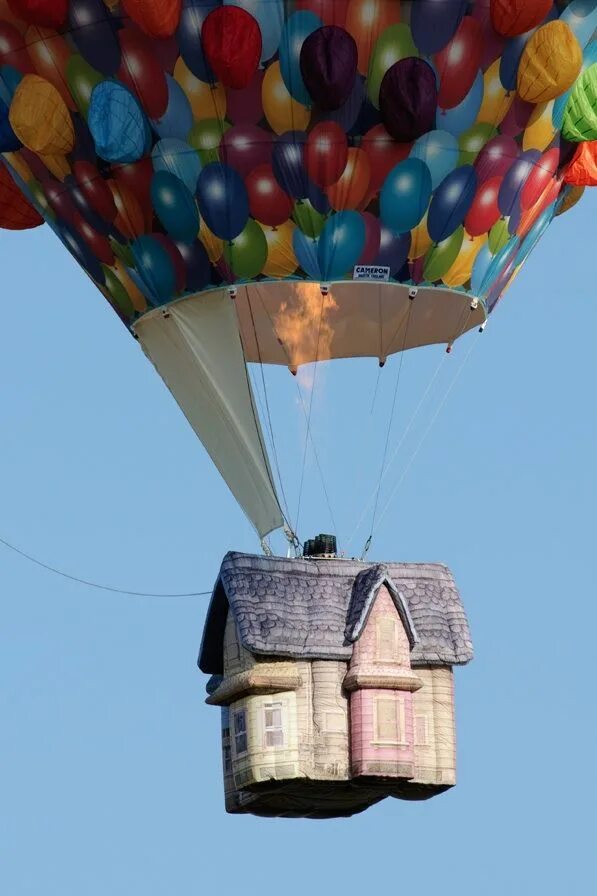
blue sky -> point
(109, 759)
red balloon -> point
(484, 212)
(45, 13)
(142, 73)
(383, 153)
(326, 153)
(13, 50)
(246, 106)
(496, 157)
(129, 218)
(16, 212)
(539, 178)
(136, 176)
(372, 239)
(232, 44)
(180, 271)
(244, 147)
(157, 18)
(582, 171)
(511, 18)
(60, 201)
(329, 11)
(493, 43)
(268, 202)
(458, 63)
(96, 190)
(517, 118)
(98, 244)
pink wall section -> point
(367, 752)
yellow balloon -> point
(281, 260)
(134, 293)
(570, 199)
(462, 268)
(214, 246)
(56, 165)
(539, 131)
(496, 99)
(18, 164)
(420, 241)
(40, 119)
(281, 110)
(207, 100)
(550, 63)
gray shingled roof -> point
(315, 608)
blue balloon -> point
(581, 16)
(341, 243)
(355, 111)
(180, 159)
(298, 27)
(269, 15)
(155, 268)
(177, 120)
(514, 181)
(305, 249)
(440, 152)
(393, 250)
(535, 233)
(188, 35)
(288, 165)
(223, 200)
(197, 265)
(499, 263)
(143, 287)
(9, 142)
(175, 206)
(93, 31)
(10, 78)
(117, 123)
(451, 202)
(77, 246)
(435, 22)
(480, 268)
(462, 117)
(405, 195)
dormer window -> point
(240, 732)
(387, 639)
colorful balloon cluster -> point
(175, 145)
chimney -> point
(322, 547)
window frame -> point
(272, 706)
(394, 653)
(235, 735)
(399, 740)
(425, 718)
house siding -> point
(435, 762)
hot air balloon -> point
(276, 183)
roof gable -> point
(313, 609)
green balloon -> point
(118, 292)
(392, 45)
(122, 252)
(205, 137)
(498, 236)
(81, 79)
(440, 258)
(307, 218)
(580, 114)
(472, 142)
(247, 253)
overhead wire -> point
(90, 584)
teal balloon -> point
(341, 244)
(439, 150)
(177, 120)
(175, 206)
(499, 263)
(305, 249)
(581, 16)
(176, 156)
(155, 269)
(405, 195)
(463, 116)
(297, 28)
(480, 268)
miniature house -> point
(335, 682)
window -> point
(421, 731)
(274, 735)
(387, 642)
(227, 760)
(240, 732)
(387, 722)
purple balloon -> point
(435, 22)
(496, 158)
(317, 198)
(93, 31)
(197, 266)
(288, 165)
(408, 99)
(328, 62)
(349, 111)
(451, 202)
(372, 239)
(515, 180)
(516, 118)
(245, 146)
(393, 249)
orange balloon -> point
(582, 172)
(540, 130)
(282, 111)
(39, 117)
(496, 99)
(365, 20)
(135, 295)
(56, 165)
(18, 164)
(550, 64)
(49, 53)
(214, 246)
(207, 100)
(420, 241)
(349, 191)
(129, 219)
(281, 260)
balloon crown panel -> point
(177, 145)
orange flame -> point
(304, 326)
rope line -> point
(90, 584)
